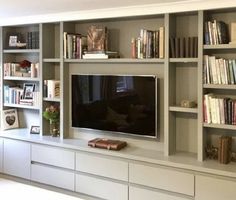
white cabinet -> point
(1, 155)
(142, 194)
(101, 188)
(53, 176)
(102, 166)
(16, 158)
(53, 156)
(162, 178)
(214, 189)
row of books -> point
(149, 44)
(219, 70)
(216, 32)
(224, 149)
(14, 69)
(74, 45)
(219, 110)
(184, 47)
(15, 95)
(32, 40)
(51, 89)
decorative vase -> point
(54, 128)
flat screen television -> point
(115, 103)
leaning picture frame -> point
(35, 130)
(13, 40)
(28, 90)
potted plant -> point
(52, 113)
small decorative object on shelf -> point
(9, 119)
(35, 130)
(107, 144)
(211, 152)
(224, 153)
(188, 104)
(52, 114)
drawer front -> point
(1, 155)
(214, 189)
(141, 194)
(53, 156)
(52, 176)
(101, 166)
(162, 178)
(101, 188)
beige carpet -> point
(11, 190)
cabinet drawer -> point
(102, 166)
(162, 178)
(141, 194)
(53, 156)
(53, 176)
(101, 188)
(214, 188)
(1, 155)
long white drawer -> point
(101, 188)
(53, 156)
(214, 188)
(53, 176)
(162, 178)
(102, 166)
(141, 194)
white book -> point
(218, 71)
(95, 56)
(161, 42)
(222, 71)
(212, 61)
(53, 89)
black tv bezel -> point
(114, 133)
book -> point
(53, 88)
(9, 119)
(105, 55)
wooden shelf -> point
(220, 46)
(52, 100)
(15, 78)
(219, 86)
(21, 106)
(182, 109)
(184, 60)
(117, 60)
(51, 60)
(220, 126)
(21, 51)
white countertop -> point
(180, 160)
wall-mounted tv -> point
(115, 103)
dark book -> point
(177, 45)
(191, 46)
(195, 47)
(33, 40)
(172, 47)
(206, 34)
(223, 32)
(29, 40)
(187, 44)
(181, 47)
(157, 44)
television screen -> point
(115, 103)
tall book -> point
(161, 42)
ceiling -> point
(20, 8)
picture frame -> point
(28, 90)
(35, 130)
(13, 40)
(9, 119)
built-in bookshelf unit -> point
(180, 70)
(21, 73)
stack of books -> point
(52, 89)
(149, 44)
(32, 40)
(219, 70)
(216, 32)
(224, 149)
(184, 47)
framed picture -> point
(13, 40)
(28, 90)
(35, 130)
(9, 119)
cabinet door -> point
(16, 158)
(141, 194)
(214, 189)
(1, 155)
